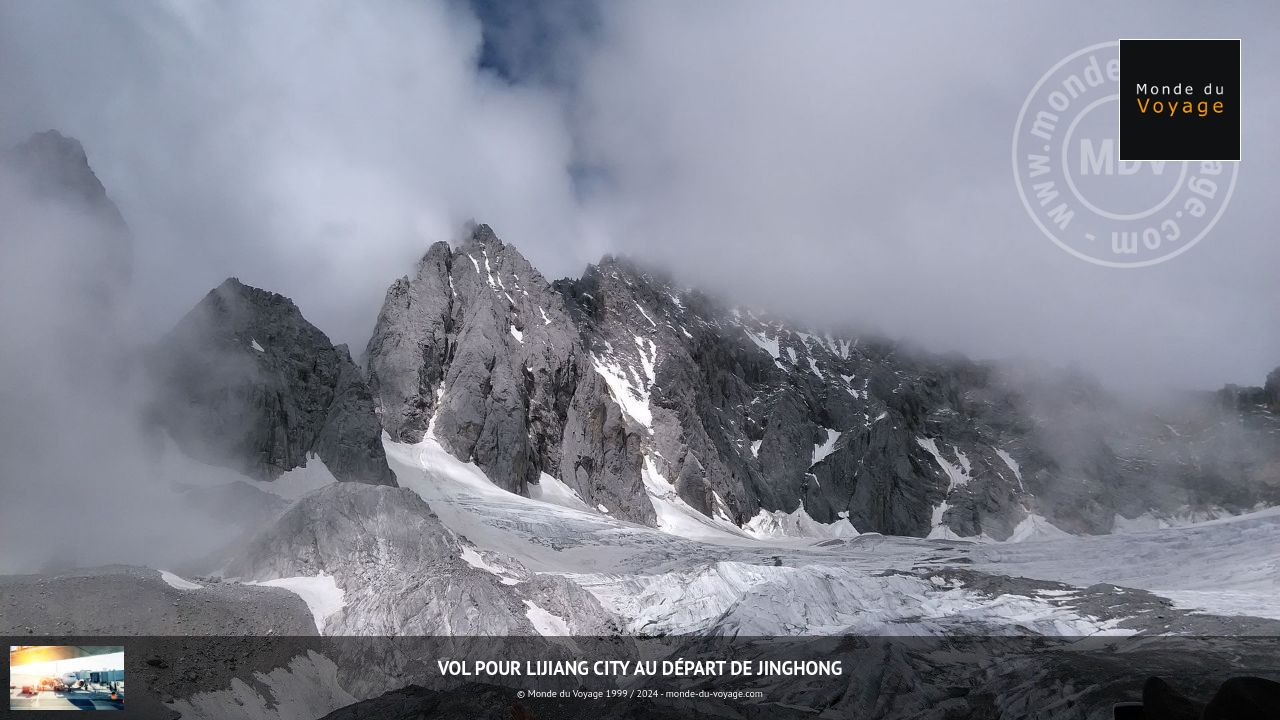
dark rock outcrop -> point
(1252, 398)
(244, 381)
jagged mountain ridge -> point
(644, 397)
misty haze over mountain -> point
(317, 150)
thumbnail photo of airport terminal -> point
(66, 677)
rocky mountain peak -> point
(56, 166)
(480, 235)
(54, 163)
(237, 305)
(245, 381)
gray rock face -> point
(244, 381)
(627, 388)
(479, 347)
(408, 352)
(741, 414)
(604, 451)
(402, 572)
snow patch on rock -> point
(551, 490)
(300, 480)
(632, 397)
(957, 476)
(321, 594)
(826, 447)
(1013, 465)
(798, 523)
(677, 517)
(1036, 528)
(547, 624)
(768, 345)
(177, 582)
(646, 315)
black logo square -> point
(1179, 99)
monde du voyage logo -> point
(1131, 167)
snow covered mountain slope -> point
(481, 560)
(1228, 566)
(373, 560)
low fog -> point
(83, 483)
(835, 163)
